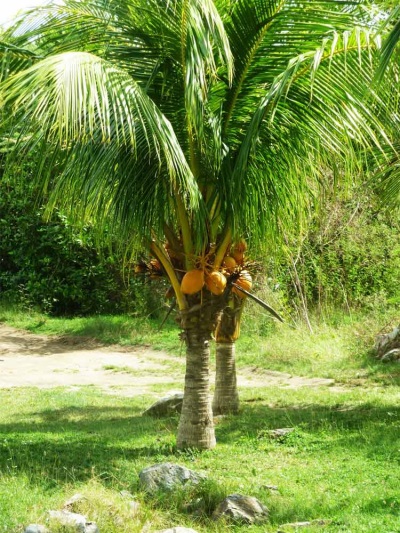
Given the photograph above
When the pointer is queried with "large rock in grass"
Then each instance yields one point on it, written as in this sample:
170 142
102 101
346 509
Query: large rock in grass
167 477
74 521
166 406
241 509
36 528
387 347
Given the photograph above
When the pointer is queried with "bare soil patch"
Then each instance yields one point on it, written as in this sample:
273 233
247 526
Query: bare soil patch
30 360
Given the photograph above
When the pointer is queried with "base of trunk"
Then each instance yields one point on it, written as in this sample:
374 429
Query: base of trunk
196 427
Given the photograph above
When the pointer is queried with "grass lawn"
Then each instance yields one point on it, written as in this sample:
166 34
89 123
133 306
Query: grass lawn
341 464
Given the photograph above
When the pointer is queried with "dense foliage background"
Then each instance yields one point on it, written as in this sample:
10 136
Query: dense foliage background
58 268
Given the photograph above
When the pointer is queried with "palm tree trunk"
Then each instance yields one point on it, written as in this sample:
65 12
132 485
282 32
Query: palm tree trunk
198 321
226 396
196 428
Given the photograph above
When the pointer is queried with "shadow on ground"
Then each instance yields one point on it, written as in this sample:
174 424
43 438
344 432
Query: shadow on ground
76 442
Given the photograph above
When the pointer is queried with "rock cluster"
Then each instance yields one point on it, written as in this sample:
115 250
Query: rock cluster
387 347
165 477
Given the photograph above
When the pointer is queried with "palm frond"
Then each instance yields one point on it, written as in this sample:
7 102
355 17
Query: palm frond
89 112
390 43
316 106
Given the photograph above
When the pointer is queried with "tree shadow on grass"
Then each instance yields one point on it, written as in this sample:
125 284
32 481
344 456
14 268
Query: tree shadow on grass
376 428
73 444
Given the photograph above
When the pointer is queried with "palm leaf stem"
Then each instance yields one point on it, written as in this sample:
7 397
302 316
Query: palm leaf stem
219 256
260 302
184 224
159 252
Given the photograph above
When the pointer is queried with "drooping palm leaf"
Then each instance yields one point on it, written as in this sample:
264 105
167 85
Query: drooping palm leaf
97 118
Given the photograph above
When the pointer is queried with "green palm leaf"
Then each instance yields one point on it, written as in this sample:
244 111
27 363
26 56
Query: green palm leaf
93 114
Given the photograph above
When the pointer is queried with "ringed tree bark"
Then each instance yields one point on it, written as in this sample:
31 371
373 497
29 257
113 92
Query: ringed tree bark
226 395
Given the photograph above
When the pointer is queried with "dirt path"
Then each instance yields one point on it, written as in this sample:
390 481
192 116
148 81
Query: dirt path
28 360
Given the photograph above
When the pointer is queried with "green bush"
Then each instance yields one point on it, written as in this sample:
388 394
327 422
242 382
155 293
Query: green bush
350 258
55 267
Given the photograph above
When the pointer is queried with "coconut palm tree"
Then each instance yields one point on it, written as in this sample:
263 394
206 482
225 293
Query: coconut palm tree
183 126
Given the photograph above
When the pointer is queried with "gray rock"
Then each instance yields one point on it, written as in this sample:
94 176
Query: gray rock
241 509
36 528
279 433
178 529
165 406
167 476
392 355
386 343
76 498
273 488
74 520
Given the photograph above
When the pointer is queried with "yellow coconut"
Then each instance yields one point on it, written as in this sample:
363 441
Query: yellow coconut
229 262
192 281
245 282
216 282
238 256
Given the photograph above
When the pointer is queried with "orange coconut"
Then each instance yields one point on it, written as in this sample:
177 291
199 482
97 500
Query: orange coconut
192 281
245 282
238 256
216 282
229 262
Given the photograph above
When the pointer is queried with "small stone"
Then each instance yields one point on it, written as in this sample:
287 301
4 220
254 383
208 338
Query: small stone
127 494
392 355
279 433
167 476
296 525
74 499
165 406
65 518
77 521
271 487
134 506
36 528
241 509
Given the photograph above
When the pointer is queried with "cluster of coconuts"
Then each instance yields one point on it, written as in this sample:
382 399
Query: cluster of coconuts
215 281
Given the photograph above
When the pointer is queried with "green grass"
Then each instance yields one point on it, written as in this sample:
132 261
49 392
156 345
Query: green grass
341 463
121 329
